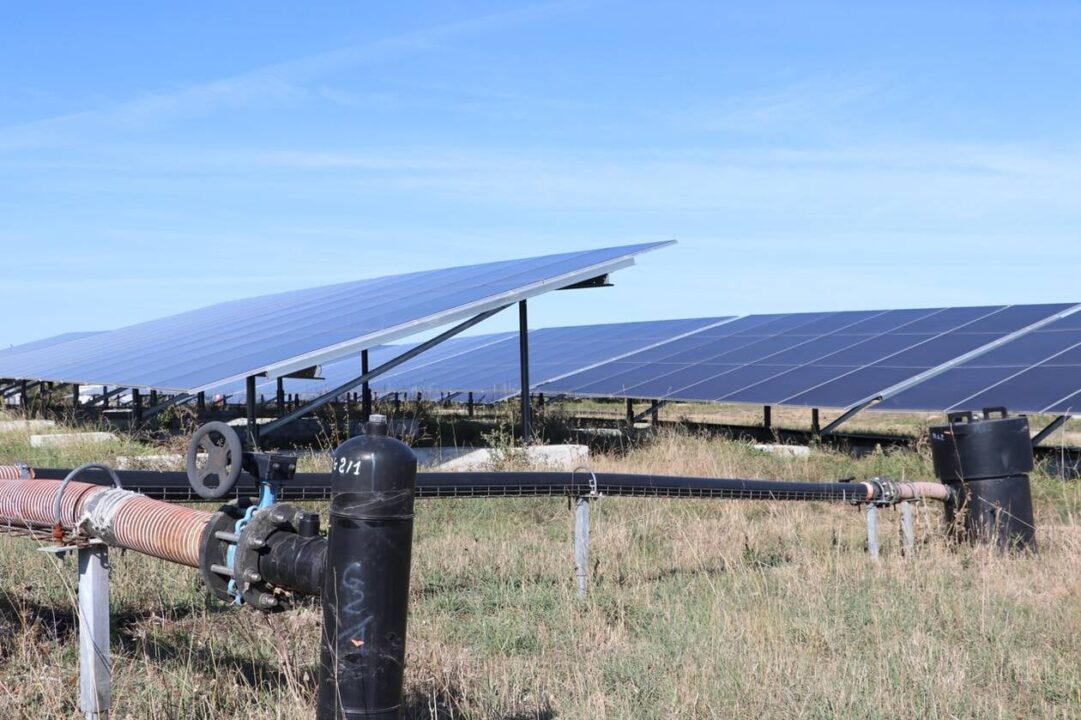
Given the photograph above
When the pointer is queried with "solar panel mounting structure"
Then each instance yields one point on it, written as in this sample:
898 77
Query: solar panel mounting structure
287 333
487 365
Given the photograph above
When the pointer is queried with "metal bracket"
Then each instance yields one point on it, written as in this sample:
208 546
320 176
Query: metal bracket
58 527
593 492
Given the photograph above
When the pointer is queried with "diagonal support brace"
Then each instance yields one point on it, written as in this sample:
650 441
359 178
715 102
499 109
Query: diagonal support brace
385 367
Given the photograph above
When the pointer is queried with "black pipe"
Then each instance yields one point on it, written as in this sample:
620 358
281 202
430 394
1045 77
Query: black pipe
294 562
366 584
174 485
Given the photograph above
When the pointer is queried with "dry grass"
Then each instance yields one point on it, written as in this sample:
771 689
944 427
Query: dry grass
698 609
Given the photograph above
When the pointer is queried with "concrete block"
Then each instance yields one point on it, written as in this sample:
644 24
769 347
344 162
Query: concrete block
800 451
17 425
556 457
68 439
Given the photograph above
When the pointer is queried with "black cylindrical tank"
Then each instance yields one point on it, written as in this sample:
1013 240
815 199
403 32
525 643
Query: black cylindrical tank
985 461
366 578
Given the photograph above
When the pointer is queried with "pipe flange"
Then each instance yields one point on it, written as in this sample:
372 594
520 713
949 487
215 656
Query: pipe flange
886 492
257 592
215 543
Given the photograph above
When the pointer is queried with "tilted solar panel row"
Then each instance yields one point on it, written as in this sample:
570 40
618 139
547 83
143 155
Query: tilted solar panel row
287 332
833 359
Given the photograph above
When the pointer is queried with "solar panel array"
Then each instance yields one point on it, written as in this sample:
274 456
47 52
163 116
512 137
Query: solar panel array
1040 372
812 359
1025 357
287 332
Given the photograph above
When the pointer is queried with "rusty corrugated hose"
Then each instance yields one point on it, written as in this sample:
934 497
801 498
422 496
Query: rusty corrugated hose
15 472
119 517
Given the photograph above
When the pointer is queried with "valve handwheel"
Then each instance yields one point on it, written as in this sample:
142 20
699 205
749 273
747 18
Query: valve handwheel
224 454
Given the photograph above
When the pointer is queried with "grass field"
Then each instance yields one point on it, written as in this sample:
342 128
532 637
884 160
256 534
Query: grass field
698 609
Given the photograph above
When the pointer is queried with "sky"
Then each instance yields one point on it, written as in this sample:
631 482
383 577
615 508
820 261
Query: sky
157 157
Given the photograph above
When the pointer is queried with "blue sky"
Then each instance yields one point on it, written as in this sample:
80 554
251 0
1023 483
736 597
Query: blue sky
807 156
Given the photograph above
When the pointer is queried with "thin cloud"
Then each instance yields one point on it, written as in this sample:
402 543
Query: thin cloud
277 82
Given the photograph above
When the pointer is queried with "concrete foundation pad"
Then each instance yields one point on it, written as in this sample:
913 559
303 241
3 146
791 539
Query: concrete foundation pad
17 425
66 439
558 457
791 450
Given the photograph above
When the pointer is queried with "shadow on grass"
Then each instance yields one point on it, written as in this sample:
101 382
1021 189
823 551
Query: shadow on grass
447 703
61 624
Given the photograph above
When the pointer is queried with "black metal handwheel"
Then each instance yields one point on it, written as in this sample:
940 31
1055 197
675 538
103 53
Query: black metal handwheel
214 460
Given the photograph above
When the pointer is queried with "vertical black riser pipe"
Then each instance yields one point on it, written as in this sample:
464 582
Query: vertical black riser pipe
366 580
985 462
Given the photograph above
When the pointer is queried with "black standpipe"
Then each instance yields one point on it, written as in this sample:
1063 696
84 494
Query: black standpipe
985 461
366 580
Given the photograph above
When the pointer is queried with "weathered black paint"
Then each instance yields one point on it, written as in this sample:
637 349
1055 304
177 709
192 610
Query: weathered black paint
986 462
366 580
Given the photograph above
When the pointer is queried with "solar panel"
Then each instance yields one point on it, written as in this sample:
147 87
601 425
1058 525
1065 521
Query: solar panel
286 332
814 359
1038 372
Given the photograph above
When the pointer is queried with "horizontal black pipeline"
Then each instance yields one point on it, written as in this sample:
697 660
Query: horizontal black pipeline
312 486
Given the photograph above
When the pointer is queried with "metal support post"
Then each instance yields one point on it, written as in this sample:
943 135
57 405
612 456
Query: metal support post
523 361
397 405
23 396
200 402
95 678
279 395
654 412
872 531
468 406
908 531
630 412
153 398
104 397
581 545
137 406
767 416
816 428
651 411
249 399
75 397
365 389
